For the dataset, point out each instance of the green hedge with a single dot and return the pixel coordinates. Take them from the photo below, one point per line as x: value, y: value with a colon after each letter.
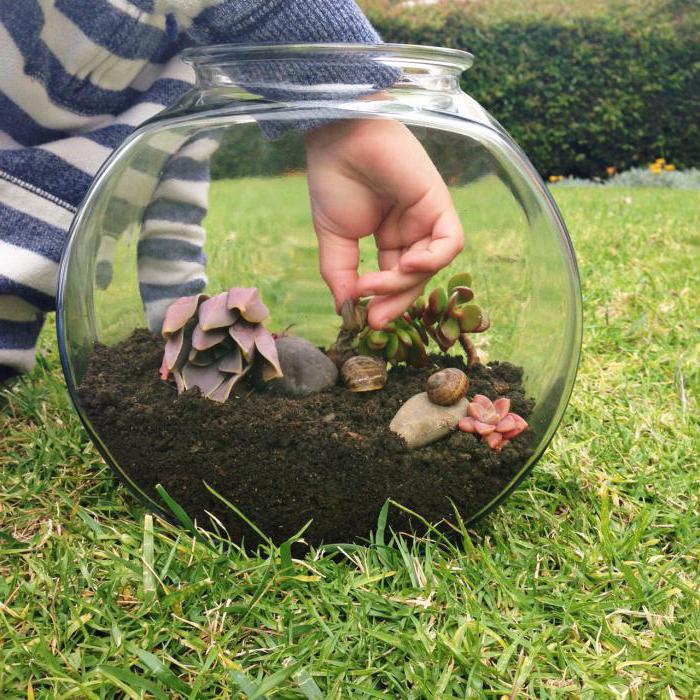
x: 578, y: 94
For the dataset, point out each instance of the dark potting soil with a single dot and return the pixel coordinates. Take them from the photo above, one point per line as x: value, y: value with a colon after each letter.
x: 283, y: 461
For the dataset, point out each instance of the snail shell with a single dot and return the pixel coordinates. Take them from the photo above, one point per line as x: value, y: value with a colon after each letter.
x: 447, y: 386
x: 364, y: 373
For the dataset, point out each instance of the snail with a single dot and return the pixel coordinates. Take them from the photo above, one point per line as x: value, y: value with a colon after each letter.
x: 447, y: 386
x: 364, y: 373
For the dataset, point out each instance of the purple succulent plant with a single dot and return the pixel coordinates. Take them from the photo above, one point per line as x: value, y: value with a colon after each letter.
x: 213, y: 342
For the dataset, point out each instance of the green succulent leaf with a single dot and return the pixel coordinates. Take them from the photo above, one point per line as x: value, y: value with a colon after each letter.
x: 377, y: 340
x: 414, y: 335
x: 420, y: 329
x: 484, y: 325
x: 444, y: 318
x: 391, y: 346
x: 461, y: 279
x: 416, y: 309
x: 404, y: 337
x: 450, y: 331
x: 463, y: 294
x: 400, y: 355
x: 437, y: 302
x: 470, y: 317
x: 428, y: 318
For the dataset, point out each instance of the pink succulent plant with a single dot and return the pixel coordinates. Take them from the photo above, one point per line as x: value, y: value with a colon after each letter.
x: 493, y: 421
x: 212, y: 343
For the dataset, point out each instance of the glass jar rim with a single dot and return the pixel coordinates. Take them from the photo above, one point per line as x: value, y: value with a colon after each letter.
x: 441, y: 57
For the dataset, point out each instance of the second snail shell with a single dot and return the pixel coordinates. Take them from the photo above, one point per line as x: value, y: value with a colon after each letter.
x: 447, y: 386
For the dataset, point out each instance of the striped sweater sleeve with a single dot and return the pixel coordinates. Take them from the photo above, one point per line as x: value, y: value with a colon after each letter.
x: 171, y: 259
x: 74, y: 84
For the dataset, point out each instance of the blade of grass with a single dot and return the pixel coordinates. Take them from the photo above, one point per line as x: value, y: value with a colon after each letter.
x: 149, y: 580
x: 241, y: 515
x: 161, y: 671
x: 130, y: 683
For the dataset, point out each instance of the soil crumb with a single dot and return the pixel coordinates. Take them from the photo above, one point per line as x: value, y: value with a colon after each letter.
x: 284, y: 461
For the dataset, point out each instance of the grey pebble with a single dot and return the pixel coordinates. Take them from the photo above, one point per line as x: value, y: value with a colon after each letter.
x: 306, y: 369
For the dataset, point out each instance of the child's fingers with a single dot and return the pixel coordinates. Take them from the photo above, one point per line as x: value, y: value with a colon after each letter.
x: 389, y: 258
x: 446, y: 243
x: 388, y: 282
x: 338, y: 258
x: 423, y: 216
x: 383, y: 309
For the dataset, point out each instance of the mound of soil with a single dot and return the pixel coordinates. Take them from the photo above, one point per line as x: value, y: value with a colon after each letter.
x: 284, y: 461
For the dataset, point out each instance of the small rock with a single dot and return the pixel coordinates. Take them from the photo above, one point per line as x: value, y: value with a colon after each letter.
x: 419, y: 421
x: 306, y: 369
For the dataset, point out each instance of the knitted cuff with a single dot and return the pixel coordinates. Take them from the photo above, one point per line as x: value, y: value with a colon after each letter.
x: 318, y: 21
x: 310, y: 77
x: 281, y: 22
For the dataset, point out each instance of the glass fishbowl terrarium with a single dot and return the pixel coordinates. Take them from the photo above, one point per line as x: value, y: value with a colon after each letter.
x: 205, y: 354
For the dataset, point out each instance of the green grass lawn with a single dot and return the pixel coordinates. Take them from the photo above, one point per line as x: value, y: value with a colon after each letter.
x: 585, y: 584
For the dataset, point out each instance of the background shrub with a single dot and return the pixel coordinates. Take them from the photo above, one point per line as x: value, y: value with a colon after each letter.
x: 580, y: 86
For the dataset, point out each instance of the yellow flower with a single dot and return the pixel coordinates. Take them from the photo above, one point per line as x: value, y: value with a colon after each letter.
x: 555, y: 178
x: 669, y: 167
x: 655, y: 168
x: 611, y: 170
x: 660, y: 161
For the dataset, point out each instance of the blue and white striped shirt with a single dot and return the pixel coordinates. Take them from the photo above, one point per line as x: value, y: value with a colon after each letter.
x: 76, y: 79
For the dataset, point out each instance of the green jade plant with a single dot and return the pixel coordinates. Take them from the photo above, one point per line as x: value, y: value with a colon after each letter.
x: 213, y: 342
x: 448, y: 317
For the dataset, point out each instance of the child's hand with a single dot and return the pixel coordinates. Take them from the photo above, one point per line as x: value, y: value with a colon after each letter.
x: 373, y: 177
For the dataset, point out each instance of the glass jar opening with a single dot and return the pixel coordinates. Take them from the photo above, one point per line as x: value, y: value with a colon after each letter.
x: 431, y: 57
x: 290, y: 69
